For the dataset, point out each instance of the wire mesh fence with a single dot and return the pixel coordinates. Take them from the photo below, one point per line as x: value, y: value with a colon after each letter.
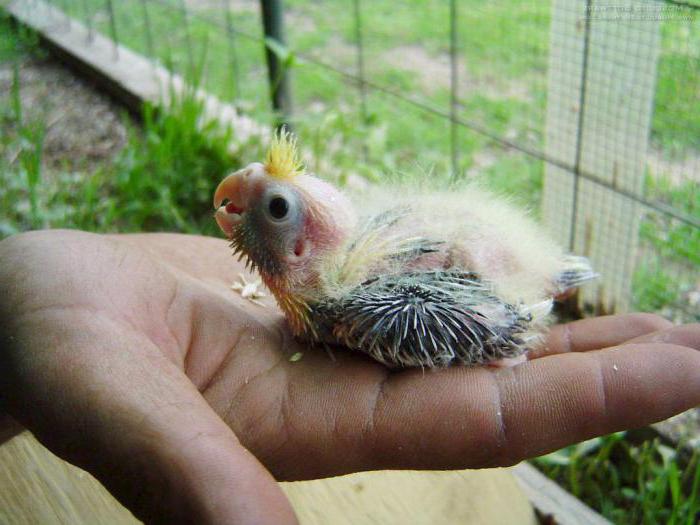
x: 588, y: 111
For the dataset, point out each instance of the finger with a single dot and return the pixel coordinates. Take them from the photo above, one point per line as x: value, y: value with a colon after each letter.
x: 682, y: 335
x: 472, y: 418
x: 103, y: 398
x: 598, y: 332
x: 503, y: 417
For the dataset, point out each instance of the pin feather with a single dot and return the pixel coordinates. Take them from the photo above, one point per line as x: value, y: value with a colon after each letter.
x: 282, y: 160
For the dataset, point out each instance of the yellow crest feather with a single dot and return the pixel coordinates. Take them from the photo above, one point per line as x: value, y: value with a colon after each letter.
x: 282, y: 160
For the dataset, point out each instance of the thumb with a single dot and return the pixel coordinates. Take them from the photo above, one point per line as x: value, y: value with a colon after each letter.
x: 104, y: 397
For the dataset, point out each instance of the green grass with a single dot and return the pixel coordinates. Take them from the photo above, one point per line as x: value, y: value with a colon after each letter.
x: 161, y: 180
x: 503, y: 53
x: 629, y: 483
x: 166, y: 173
x: 503, y: 49
x: 22, y: 141
x: 670, y: 250
x: 676, y: 121
x: 674, y: 240
x: 416, y: 142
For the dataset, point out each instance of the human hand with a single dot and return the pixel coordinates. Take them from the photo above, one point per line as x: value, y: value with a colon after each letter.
x: 130, y: 357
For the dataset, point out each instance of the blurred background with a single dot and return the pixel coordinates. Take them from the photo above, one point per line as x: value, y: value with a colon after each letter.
x: 586, y: 112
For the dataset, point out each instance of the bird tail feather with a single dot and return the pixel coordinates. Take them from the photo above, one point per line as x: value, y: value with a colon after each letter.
x: 577, y: 270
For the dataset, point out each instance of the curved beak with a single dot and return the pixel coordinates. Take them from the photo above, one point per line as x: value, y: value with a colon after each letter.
x: 228, y: 189
x: 233, y: 191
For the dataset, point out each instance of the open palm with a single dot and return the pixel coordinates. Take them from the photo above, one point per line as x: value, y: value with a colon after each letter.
x: 131, y: 357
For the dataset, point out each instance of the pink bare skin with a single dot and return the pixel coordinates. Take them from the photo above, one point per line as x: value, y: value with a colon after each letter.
x: 130, y: 357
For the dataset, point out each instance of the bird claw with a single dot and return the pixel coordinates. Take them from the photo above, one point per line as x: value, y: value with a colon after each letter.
x: 249, y: 289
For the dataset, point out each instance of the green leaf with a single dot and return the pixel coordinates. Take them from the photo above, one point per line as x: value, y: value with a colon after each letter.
x: 586, y: 447
x: 559, y: 457
x: 282, y: 52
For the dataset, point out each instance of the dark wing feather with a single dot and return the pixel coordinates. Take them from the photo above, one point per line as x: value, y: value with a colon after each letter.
x: 424, y: 318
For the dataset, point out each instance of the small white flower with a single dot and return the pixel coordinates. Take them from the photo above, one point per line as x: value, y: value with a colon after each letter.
x: 249, y: 290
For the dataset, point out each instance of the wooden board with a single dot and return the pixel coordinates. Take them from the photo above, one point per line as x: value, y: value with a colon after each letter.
x: 37, y: 487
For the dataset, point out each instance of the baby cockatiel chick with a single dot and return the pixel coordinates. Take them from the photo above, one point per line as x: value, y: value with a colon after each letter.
x: 432, y: 280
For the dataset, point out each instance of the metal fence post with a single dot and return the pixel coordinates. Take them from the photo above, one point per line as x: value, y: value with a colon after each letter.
x: 273, y: 26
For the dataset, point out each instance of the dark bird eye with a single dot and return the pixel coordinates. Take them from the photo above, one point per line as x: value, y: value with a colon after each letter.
x: 279, y: 207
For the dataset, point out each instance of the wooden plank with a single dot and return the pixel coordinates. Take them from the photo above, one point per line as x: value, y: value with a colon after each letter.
x: 387, y: 497
x: 37, y: 487
x: 614, y: 115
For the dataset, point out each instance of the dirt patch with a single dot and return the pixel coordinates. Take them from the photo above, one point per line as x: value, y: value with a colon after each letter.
x: 481, y: 161
x: 295, y: 21
x: 338, y: 52
x: 677, y: 170
x: 83, y: 128
x: 433, y: 74
x: 237, y: 6
x: 299, y: 22
x: 432, y: 71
